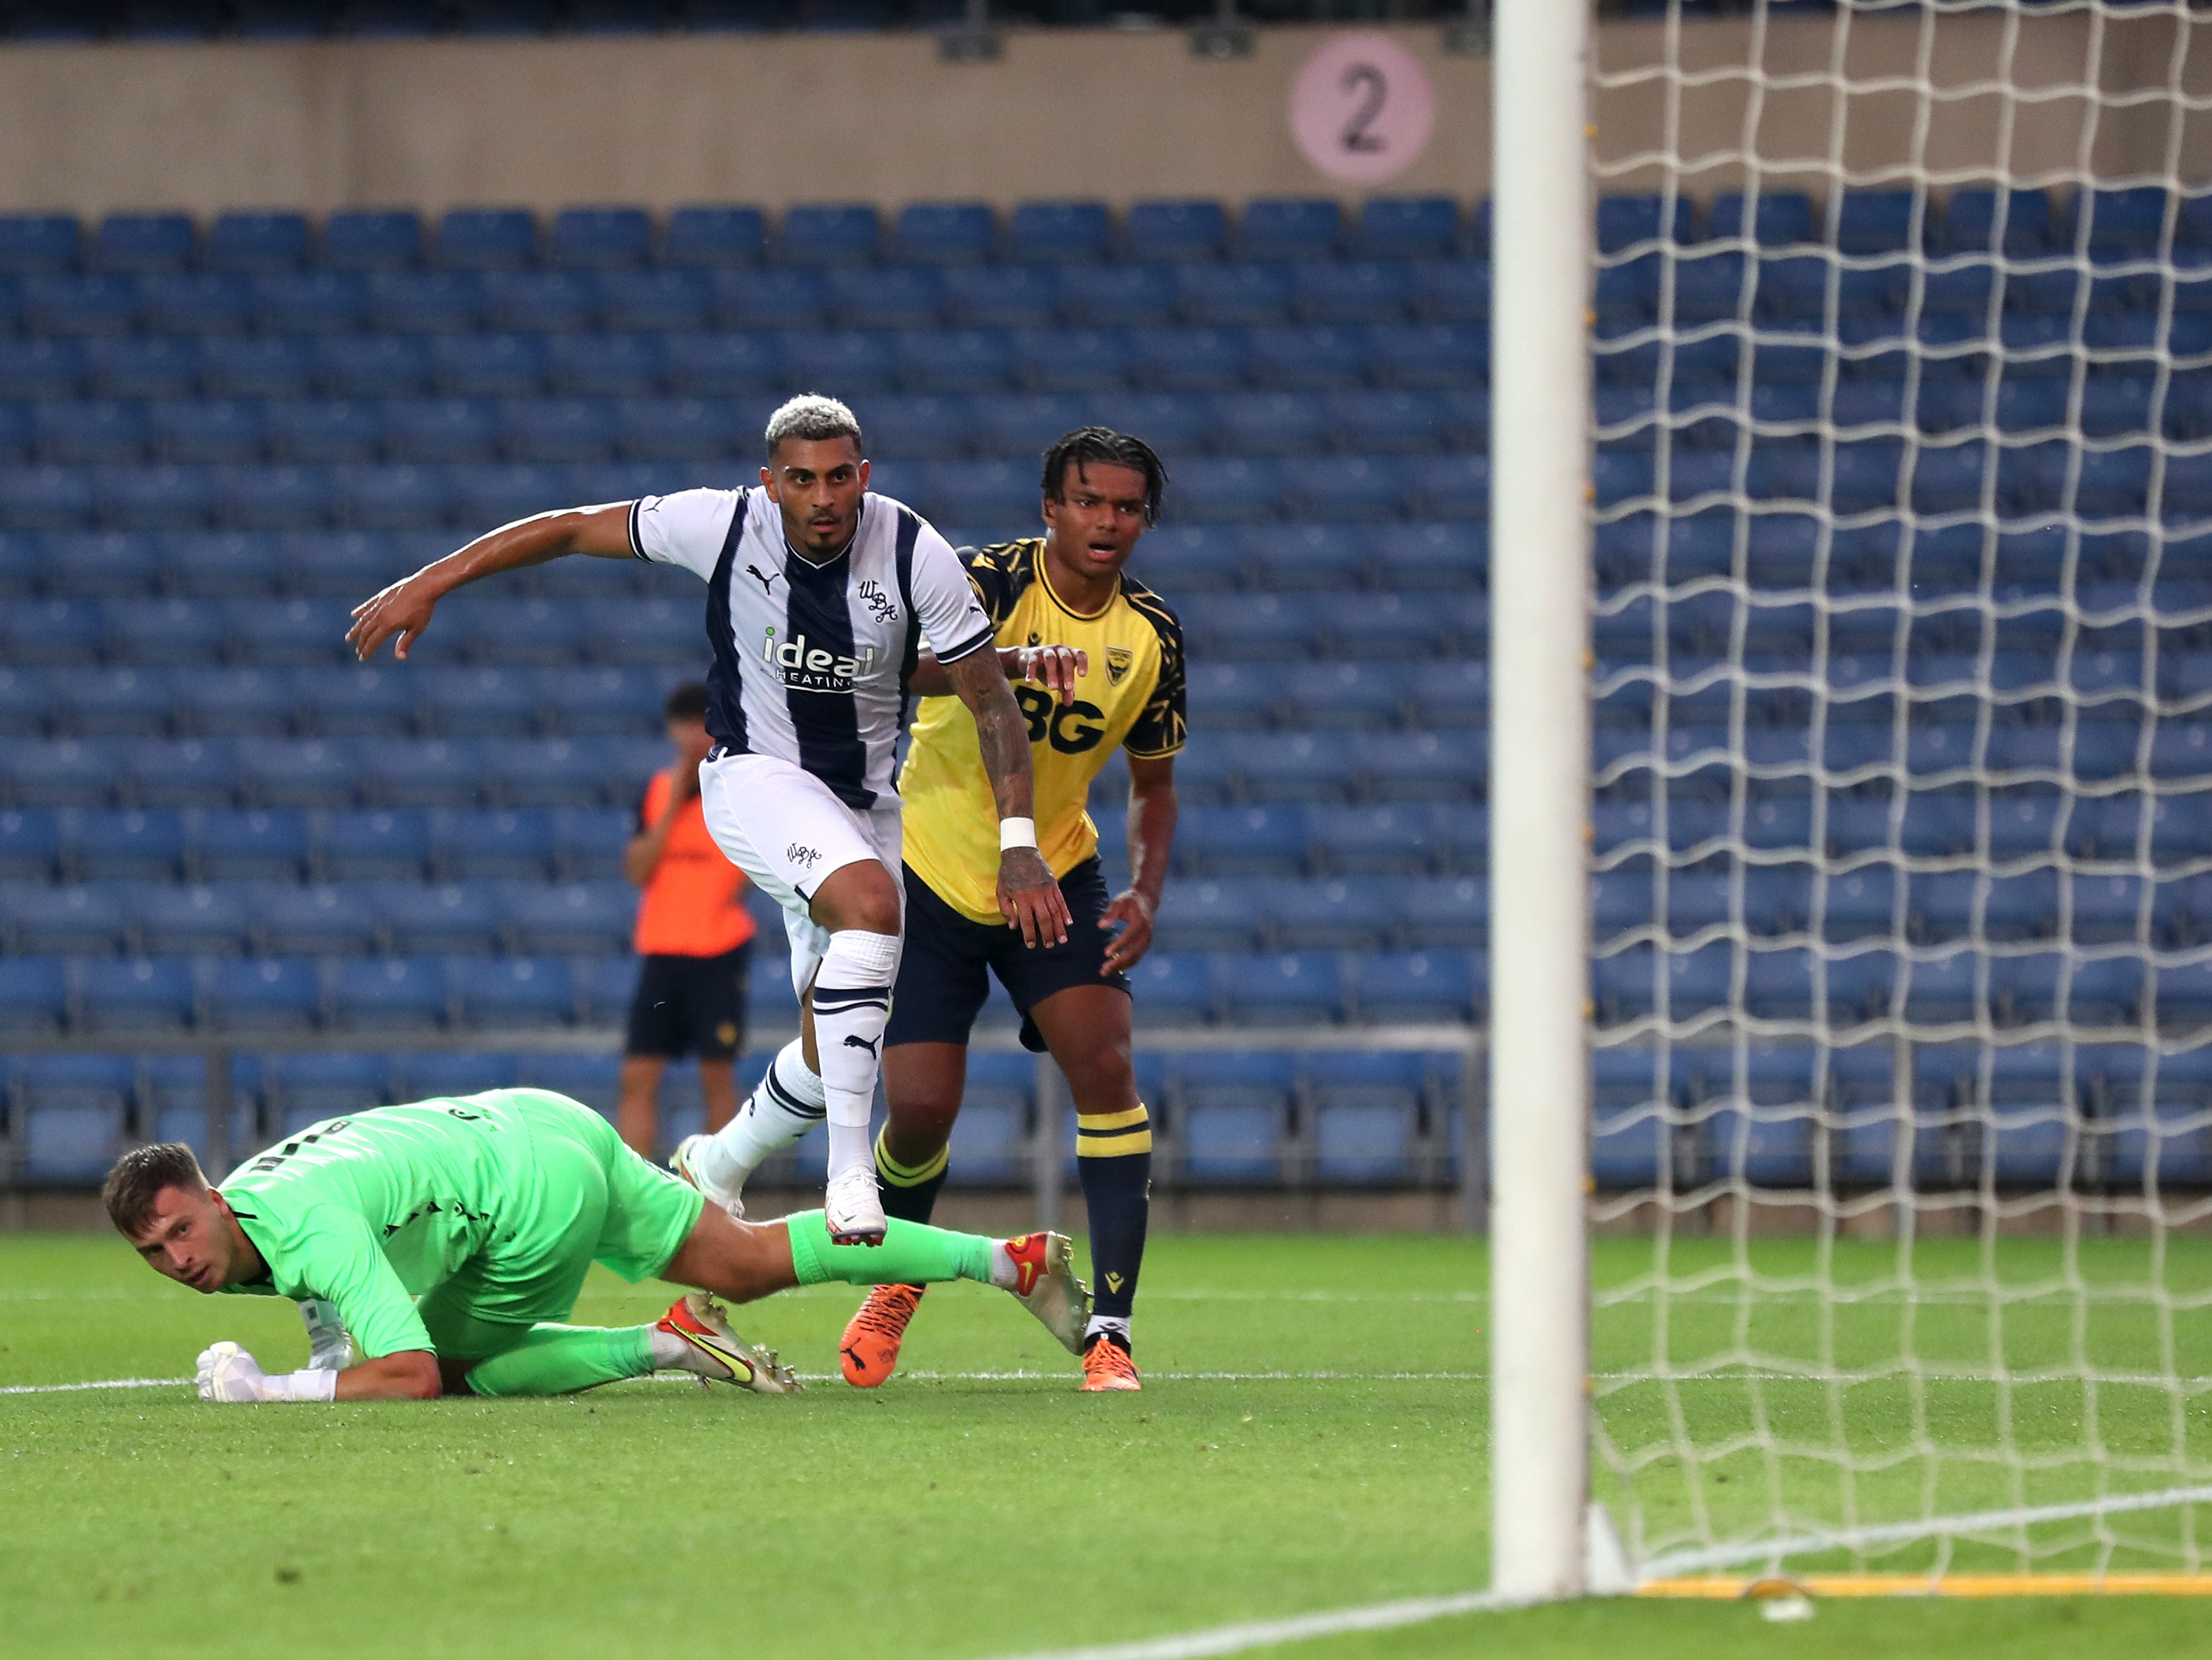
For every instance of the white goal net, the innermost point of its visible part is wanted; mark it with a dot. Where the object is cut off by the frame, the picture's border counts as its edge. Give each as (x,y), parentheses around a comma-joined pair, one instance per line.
(1902,867)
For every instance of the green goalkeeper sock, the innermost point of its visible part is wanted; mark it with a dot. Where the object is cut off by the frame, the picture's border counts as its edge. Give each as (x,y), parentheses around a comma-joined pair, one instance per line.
(560,1360)
(912,1253)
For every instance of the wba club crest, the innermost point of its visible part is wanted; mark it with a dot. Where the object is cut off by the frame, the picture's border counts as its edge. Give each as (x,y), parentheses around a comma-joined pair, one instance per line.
(1119,659)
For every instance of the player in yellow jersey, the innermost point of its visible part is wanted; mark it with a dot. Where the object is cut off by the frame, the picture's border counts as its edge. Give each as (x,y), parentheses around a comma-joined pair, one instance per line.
(1109,654)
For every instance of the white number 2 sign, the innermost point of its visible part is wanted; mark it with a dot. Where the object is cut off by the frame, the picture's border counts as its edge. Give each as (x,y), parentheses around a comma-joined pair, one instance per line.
(1361,108)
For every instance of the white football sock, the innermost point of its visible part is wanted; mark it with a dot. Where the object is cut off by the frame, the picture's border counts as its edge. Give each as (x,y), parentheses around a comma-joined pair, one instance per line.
(1003,1274)
(787,1104)
(851,1000)
(1112,1325)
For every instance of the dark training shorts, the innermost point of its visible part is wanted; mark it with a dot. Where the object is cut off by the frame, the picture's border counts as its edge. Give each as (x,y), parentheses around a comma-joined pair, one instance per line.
(689,1005)
(942,984)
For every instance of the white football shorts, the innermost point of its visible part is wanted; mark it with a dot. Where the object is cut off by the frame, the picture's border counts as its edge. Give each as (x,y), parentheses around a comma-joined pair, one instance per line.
(784,829)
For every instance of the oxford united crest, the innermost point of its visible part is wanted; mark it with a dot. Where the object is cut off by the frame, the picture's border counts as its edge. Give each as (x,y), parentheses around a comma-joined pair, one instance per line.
(1119,659)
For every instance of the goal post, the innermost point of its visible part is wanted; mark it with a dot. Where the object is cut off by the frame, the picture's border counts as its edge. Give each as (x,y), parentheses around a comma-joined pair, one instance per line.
(1539,799)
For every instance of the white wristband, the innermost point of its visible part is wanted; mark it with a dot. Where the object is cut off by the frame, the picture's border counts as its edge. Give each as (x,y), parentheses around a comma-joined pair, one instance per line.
(312,1385)
(1017,833)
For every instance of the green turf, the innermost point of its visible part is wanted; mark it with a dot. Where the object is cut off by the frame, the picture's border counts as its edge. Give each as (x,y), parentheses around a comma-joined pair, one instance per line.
(949,1514)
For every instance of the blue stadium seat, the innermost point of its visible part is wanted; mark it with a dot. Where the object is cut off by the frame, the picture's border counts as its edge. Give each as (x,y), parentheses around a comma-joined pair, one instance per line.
(989,1137)
(1342,913)
(1119,295)
(61,773)
(1229,1133)
(72,433)
(433,1077)
(771,299)
(251,845)
(124,701)
(955,359)
(1002,297)
(1213,915)
(623,701)
(1347,293)
(1172,989)
(885,296)
(69,1141)
(1294,989)
(1442,356)
(305,1088)
(34,997)
(37,918)
(1407,227)
(462,918)
(1069,233)
(235,702)
(598,238)
(944,233)
(515,992)
(857,360)
(389,993)
(656,631)
(541,301)
(45,498)
(584,918)
(814,234)
(143,242)
(30,843)
(1290,228)
(1417,986)
(1268,841)
(370,239)
(101,846)
(485,239)
(220,431)
(1364,1136)
(593,1079)
(1439,912)
(37,242)
(1175,230)
(715,236)
(58,369)
(665,429)
(557,429)
(1970,221)
(262,994)
(1232,294)
(605,987)
(136,994)
(311,922)
(1073,360)
(196,303)
(1622,221)
(392,843)
(257,242)
(442,772)
(587,841)
(309,772)
(1391,841)
(347,429)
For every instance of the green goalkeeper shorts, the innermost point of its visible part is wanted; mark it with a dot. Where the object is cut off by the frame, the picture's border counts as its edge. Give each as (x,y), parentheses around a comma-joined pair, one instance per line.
(580,1197)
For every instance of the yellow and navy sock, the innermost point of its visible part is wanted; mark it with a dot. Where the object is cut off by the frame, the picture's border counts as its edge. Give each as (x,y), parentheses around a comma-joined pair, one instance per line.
(909,1191)
(1114,1156)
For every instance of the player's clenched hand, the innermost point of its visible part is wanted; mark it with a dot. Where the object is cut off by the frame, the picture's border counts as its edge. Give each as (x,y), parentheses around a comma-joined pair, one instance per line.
(1132,912)
(399,614)
(1056,668)
(1029,899)
(227,1372)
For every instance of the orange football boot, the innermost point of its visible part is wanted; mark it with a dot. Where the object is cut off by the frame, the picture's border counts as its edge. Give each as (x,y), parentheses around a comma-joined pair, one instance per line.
(870,1351)
(1107,1366)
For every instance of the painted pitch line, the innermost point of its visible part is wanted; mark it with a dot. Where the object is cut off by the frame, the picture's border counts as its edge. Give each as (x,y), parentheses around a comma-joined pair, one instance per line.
(100,1383)
(1262,1633)
(1898,1533)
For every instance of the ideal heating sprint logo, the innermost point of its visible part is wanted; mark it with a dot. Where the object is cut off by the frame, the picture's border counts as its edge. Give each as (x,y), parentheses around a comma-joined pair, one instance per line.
(802,668)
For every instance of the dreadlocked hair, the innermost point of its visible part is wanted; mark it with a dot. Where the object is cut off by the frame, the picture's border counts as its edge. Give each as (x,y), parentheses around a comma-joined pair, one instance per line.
(1105,447)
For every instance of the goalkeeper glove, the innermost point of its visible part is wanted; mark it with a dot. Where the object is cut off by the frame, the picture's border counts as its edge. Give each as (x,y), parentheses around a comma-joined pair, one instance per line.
(329,1347)
(227,1372)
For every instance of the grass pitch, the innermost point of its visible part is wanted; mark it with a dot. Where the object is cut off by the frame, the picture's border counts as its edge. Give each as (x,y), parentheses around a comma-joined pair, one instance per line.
(1312,1436)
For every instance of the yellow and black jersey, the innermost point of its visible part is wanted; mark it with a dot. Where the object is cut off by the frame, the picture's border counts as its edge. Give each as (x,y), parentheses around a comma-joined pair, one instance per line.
(1131,697)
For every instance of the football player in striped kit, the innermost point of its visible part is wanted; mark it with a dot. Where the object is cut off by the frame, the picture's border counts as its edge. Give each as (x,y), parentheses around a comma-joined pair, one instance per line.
(821,598)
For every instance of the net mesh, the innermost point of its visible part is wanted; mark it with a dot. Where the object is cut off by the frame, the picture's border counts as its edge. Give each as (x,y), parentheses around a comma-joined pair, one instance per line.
(1903,854)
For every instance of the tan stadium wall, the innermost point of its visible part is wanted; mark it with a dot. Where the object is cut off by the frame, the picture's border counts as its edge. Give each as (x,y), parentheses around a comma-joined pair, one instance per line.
(1109,115)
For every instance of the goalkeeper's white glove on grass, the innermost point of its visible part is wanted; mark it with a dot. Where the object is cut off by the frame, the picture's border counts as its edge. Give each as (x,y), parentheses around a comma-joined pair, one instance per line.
(329,1346)
(227,1372)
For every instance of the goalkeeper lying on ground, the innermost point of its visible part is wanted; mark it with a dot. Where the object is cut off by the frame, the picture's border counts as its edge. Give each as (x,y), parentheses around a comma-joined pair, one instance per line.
(451,1237)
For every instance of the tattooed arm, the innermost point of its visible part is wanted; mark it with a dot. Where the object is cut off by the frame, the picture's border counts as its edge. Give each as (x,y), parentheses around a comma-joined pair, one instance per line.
(1029,896)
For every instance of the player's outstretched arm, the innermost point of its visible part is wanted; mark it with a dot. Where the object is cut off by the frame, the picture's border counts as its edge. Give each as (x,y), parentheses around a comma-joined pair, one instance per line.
(1028,898)
(228,1373)
(1152,811)
(402,611)
(1056,668)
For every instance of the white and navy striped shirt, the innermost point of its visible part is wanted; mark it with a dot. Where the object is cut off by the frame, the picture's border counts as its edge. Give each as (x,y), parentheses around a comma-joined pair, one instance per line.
(811,661)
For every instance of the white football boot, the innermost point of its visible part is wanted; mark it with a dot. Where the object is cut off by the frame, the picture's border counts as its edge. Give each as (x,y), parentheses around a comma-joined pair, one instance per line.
(853,1208)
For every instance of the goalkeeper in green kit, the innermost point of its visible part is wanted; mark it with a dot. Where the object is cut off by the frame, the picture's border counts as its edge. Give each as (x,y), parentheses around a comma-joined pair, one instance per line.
(448,1240)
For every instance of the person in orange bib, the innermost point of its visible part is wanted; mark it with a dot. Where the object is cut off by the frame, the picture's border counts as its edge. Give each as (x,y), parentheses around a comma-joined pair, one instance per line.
(692,929)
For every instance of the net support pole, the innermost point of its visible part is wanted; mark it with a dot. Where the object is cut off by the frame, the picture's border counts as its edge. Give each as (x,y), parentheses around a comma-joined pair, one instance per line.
(1539,799)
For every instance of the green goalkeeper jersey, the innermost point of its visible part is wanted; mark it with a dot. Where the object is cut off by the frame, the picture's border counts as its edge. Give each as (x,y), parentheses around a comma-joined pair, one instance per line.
(371,1211)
